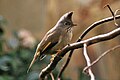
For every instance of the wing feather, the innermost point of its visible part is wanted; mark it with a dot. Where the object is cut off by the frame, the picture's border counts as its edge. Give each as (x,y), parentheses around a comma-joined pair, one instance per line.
(47,43)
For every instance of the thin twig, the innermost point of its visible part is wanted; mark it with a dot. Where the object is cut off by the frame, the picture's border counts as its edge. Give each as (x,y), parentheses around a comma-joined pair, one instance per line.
(110,9)
(88,62)
(95,24)
(52,77)
(113,14)
(100,57)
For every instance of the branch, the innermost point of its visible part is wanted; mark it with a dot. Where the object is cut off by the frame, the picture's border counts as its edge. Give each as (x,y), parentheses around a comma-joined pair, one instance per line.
(77,45)
(83,35)
(52,77)
(113,14)
(100,57)
(88,62)
(65,65)
(96,24)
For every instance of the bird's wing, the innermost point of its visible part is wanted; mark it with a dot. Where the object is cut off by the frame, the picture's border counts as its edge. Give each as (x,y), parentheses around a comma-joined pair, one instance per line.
(48,42)
(47,47)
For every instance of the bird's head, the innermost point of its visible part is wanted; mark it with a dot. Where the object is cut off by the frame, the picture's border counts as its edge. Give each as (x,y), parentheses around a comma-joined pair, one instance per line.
(66,21)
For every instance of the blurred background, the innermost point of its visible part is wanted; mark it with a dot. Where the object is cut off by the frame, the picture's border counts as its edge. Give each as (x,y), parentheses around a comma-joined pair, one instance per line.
(23,23)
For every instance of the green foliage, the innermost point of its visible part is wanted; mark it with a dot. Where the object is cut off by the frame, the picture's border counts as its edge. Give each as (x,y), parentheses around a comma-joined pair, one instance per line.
(3,21)
(13,65)
(14,62)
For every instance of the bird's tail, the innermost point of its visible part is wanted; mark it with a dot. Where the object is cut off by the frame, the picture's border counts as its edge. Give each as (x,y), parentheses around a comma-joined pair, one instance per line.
(34,59)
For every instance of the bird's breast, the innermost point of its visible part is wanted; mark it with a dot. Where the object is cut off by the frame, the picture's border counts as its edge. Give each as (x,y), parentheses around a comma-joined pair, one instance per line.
(64,39)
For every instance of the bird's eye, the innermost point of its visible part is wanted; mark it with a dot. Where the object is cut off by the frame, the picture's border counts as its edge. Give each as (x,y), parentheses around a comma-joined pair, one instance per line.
(67,23)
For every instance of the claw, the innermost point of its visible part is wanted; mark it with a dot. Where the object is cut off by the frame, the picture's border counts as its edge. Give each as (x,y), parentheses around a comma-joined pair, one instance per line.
(58,51)
(52,57)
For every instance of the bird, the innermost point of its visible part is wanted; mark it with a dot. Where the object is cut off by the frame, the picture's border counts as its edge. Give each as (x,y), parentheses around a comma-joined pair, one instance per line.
(56,38)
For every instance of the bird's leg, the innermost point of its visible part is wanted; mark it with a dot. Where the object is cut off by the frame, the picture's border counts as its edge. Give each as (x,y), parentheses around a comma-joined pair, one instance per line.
(53,56)
(58,51)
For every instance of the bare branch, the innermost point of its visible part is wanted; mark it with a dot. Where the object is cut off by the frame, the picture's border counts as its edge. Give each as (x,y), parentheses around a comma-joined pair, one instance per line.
(95,24)
(88,62)
(82,36)
(110,9)
(100,57)
(77,45)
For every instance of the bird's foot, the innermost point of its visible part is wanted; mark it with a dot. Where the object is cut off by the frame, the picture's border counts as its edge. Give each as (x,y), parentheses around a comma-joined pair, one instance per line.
(58,51)
(52,57)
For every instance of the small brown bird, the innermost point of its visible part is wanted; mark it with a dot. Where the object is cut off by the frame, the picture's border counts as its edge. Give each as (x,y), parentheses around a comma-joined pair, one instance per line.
(56,38)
